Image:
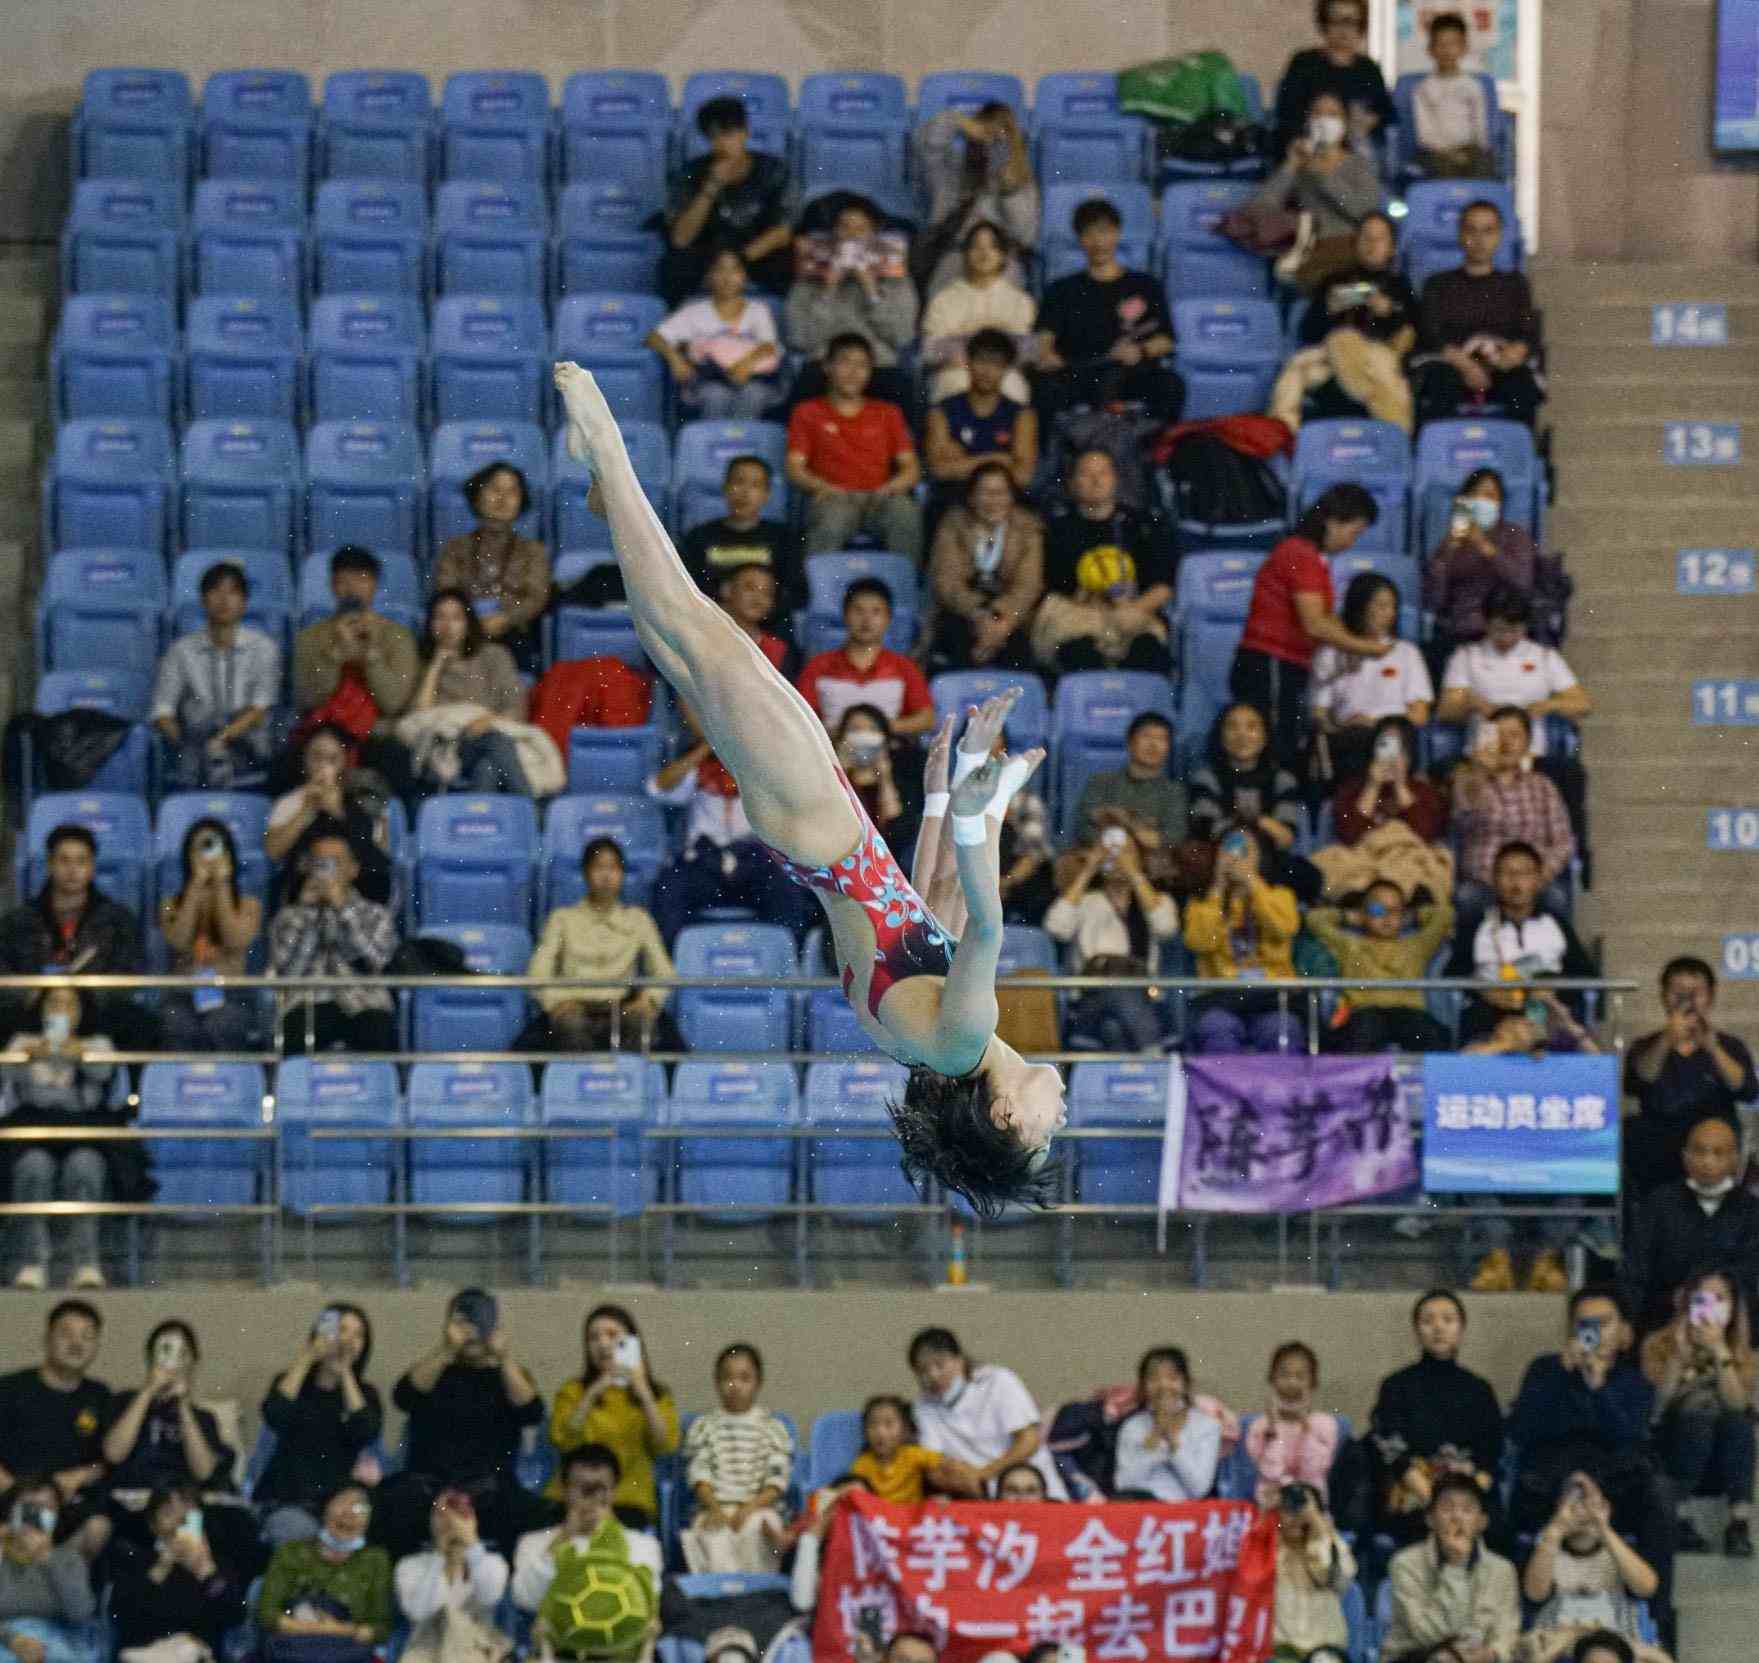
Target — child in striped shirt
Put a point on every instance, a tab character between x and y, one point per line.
738	1460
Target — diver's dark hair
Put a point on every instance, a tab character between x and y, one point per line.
946	1134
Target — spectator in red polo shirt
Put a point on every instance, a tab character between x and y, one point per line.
853	458
864	670
1291	615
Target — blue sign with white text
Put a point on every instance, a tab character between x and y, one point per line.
1701	444
1725	704
1521	1125
1740	956
1688	323
1713	571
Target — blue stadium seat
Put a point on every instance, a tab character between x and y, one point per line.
268	605
968	90
1430	230
495	124
1026	947
854	132
739	1018
446	1171
241	486
1199	261
370	236
460	1019
837	1438
765	97
603	244
704	450
365	358
742	1172
118	822
1448	451
577	632
109	484
398	597
244	813
1373	454
607	334
120	237
1125	1172
622	1094
376	124
1029	721
1092	710
1206	656
133	124
1229	352
460	448
616	124
241	358
1060	252
490	359
852	1097
475	860
101	606
490	237
575	528
1402	141
365	483
828	576
613	761
573	822
192	1172
256	124
114	355
247	236
122	693
832	1025
1215	585
1082	134
337	1094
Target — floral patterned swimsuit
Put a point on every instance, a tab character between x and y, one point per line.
908	941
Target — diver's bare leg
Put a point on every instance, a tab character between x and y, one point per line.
760	727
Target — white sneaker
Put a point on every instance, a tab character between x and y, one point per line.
32	1278
89	1276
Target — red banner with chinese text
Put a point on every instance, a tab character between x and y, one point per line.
1151	1582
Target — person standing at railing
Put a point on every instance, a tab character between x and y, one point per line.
70	1080
333	930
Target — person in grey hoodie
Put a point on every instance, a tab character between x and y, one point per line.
853	296
45	1590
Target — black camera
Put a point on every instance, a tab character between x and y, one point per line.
1294	1498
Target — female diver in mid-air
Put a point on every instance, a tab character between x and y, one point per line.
919	960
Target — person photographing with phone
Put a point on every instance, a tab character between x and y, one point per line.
1314	1569
1584	1577
469	1403
1244	929
616	1403
45	1590
209	925
191	1580
1702	1368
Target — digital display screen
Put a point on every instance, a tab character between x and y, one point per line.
1737	76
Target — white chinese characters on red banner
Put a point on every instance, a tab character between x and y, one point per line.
1141	1581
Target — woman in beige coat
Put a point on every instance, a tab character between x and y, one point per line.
985	577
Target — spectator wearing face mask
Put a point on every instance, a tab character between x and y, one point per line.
1701	1218
1679	1073
985	577
325	1417
332	1586
1329	177
1702	1368
1355	337
1431	1419
1451	1586
980	1414
1339	64
1583	1576
1371	941
1169	1448
1483	554
45	1591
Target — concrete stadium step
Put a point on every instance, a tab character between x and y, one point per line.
1592	338
1639	699
1602	440
1602	508
1591	284
1612	568
1658	778
1625	399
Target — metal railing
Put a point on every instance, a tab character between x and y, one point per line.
271	1209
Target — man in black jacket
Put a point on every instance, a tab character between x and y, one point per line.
73	928
1702	1221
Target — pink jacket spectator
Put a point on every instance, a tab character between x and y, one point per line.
1304	1455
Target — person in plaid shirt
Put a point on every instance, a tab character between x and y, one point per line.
1499	798
333	930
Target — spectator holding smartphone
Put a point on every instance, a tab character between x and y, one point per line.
191	1581
1314	1568
45	1590
1244	929
209	925
159	1435
1583	1576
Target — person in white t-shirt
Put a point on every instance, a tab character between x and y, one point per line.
980	1414
1351	693
589	1478
722	351
1509	668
